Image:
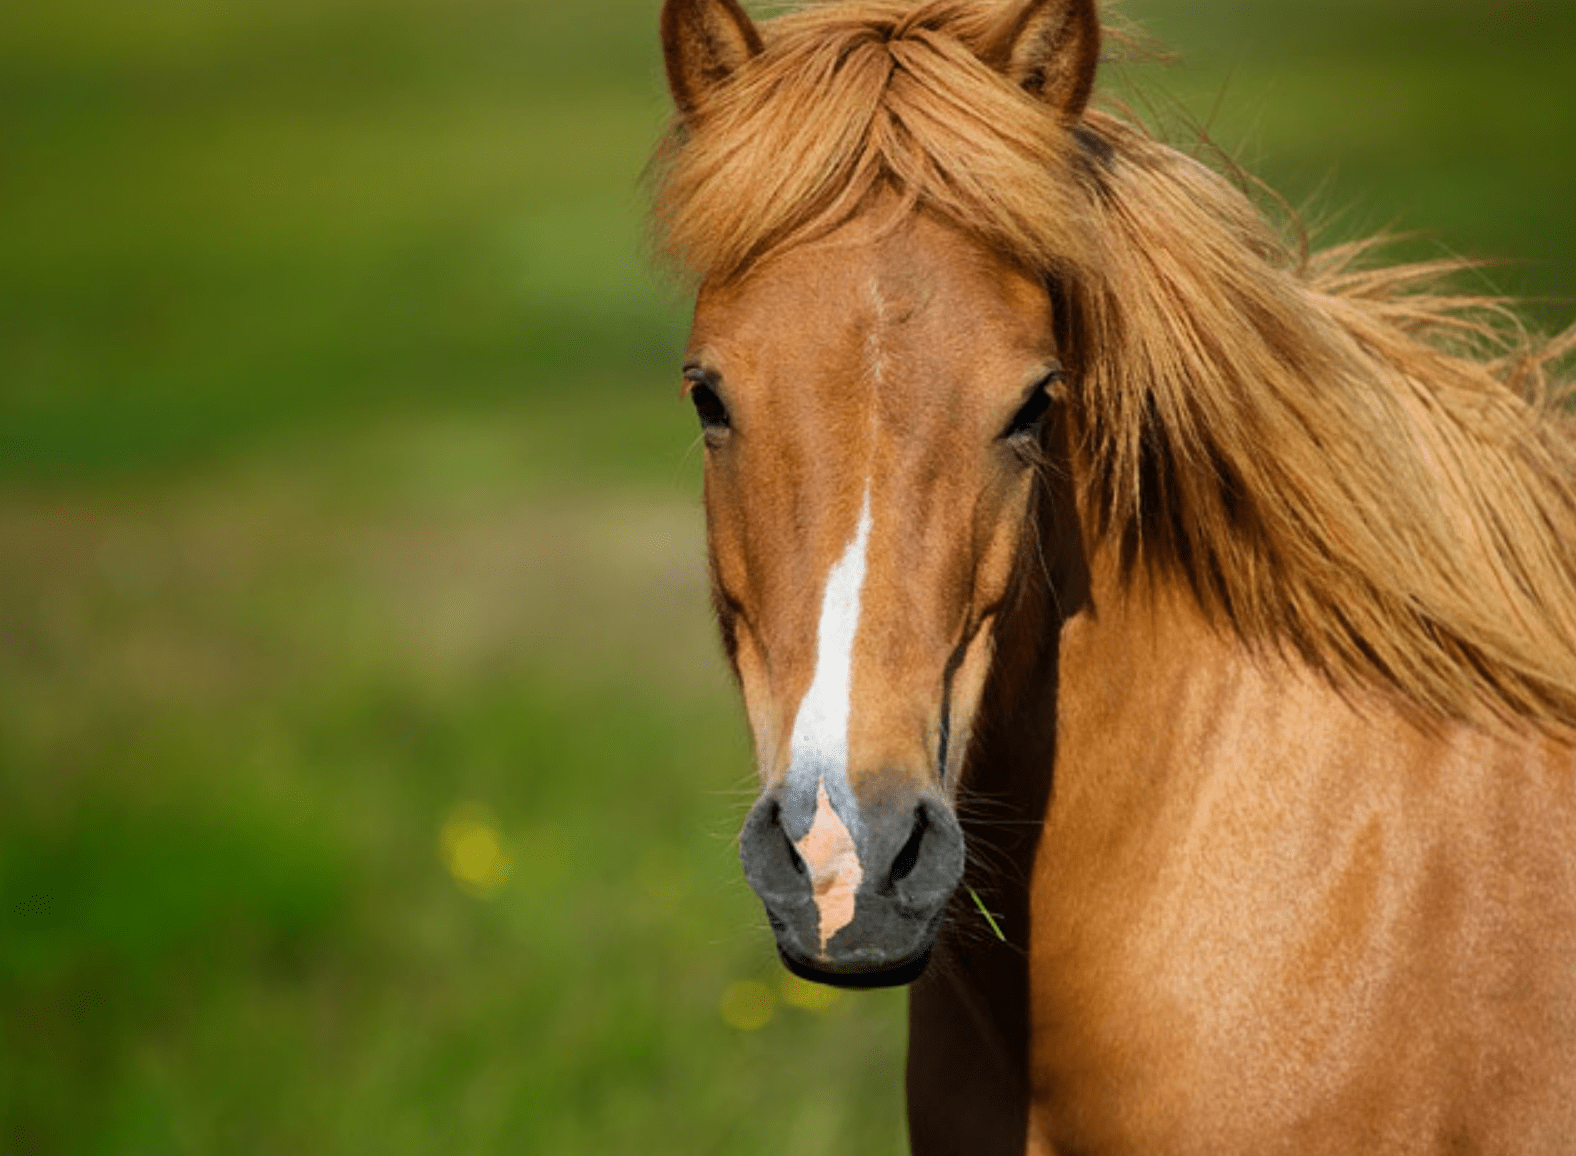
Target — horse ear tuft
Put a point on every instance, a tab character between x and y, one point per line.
703	43
1051	48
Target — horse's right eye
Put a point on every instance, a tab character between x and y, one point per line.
1027	421
708	407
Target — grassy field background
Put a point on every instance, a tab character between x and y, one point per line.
368	774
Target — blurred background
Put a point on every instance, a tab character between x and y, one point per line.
368	771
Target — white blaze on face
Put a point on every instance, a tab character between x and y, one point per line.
820	730
819	745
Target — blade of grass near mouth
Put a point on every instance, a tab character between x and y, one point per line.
989	918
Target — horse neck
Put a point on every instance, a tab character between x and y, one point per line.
1104	679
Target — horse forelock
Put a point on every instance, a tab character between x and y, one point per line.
1346	463
852	101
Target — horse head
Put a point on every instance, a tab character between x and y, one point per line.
874	399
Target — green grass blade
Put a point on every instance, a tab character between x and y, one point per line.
989	918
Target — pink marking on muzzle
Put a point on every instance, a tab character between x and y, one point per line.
829	853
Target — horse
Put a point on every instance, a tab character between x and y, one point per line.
1158	639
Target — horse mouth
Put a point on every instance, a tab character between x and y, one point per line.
860	969
887	975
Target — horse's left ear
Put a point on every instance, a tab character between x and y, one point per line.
703	43
1051	48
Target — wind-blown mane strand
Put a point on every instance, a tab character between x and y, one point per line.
1339	462
1328	456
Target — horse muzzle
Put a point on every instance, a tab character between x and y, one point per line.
855	891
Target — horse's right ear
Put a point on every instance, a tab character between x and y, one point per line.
704	42
1051	48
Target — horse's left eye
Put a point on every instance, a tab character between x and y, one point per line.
1031	415
709	407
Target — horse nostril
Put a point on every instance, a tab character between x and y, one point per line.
793	855
908	856
793	852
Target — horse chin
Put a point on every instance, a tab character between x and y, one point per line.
888	976
860	968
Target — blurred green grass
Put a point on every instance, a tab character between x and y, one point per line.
343	484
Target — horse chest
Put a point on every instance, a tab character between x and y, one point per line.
1264	923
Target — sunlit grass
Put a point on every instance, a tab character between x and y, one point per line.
748	1005
473	850
807	996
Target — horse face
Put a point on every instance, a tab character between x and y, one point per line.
871	405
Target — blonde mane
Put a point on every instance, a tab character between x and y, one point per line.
1339	460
